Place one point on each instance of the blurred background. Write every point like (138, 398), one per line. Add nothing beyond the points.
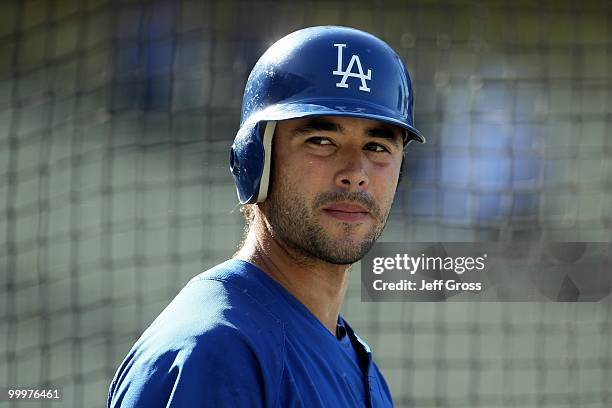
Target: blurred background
(115, 122)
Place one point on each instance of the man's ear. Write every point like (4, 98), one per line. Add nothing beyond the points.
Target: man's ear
(402, 168)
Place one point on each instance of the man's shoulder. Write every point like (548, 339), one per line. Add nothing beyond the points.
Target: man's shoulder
(237, 288)
(225, 300)
(215, 330)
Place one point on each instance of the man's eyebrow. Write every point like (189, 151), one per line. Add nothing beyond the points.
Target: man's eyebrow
(318, 125)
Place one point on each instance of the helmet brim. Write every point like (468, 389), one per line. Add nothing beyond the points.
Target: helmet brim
(303, 109)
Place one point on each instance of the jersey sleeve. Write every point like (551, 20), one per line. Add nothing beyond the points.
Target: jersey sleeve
(218, 368)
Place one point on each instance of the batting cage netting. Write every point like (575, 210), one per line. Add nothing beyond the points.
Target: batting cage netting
(116, 119)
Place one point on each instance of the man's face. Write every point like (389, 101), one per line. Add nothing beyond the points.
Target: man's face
(333, 182)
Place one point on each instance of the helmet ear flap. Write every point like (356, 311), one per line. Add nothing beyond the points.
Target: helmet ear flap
(246, 162)
(250, 157)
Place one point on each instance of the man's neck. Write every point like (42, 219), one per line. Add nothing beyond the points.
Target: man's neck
(318, 285)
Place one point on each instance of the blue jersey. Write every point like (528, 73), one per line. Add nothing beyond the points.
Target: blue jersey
(234, 337)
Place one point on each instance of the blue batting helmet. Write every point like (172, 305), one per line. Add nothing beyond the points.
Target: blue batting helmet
(329, 70)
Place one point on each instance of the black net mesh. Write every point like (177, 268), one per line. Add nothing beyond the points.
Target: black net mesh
(115, 123)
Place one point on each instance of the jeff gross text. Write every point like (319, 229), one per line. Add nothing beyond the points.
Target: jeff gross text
(422, 264)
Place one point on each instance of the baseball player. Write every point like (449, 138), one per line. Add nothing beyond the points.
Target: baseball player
(326, 116)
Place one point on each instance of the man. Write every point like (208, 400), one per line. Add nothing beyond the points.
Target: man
(327, 112)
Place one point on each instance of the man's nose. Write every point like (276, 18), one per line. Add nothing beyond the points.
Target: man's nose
(353, 174)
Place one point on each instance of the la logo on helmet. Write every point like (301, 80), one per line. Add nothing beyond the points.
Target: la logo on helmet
(349, 71)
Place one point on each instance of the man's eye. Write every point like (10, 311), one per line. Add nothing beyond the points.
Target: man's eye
(319, 140)
(375, 147)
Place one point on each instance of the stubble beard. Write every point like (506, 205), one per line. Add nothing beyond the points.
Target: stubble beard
(296, 226)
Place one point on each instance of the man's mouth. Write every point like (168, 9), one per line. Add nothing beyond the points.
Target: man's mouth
(347, 212)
